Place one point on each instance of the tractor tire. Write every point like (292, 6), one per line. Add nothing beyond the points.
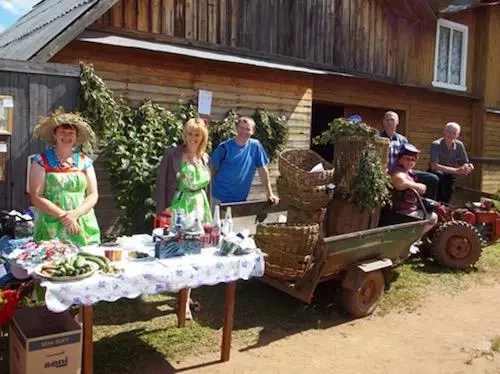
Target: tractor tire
(456, 245)
(363, 301)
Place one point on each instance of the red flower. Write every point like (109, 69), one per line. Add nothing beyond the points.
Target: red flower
(8, 303)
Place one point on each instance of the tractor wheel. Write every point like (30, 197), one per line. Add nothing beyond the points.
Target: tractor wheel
(363, 301)
(456, 245)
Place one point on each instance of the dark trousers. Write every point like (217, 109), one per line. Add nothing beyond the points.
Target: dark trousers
(430, 180)
(446, 186)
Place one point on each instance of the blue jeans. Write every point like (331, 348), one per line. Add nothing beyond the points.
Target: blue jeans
(430, 180)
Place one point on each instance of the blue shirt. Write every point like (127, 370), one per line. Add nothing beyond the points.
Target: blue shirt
(397, 141)
(236, 166)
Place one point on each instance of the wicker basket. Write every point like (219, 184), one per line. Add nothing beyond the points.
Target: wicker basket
(286, 265)
(298, 239)
(347, 151)
(295, 165)
(295, 215)
(304, 199)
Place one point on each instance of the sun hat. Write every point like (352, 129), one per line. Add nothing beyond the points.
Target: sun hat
(45, 128)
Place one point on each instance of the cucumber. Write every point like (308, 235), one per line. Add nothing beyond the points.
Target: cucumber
(98, 261)
(80, 262)
(90, 255)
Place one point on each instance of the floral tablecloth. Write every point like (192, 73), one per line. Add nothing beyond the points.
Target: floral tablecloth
(154, 276)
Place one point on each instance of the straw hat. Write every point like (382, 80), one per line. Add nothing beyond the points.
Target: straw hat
(45, 128)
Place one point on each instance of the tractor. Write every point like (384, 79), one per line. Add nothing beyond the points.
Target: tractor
(457, 239)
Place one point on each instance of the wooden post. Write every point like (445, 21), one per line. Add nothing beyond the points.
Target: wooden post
(228, 321)
(88, 343)
(181, 311)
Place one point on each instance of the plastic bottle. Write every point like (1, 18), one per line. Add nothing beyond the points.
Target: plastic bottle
(179, 220)
(228, 222)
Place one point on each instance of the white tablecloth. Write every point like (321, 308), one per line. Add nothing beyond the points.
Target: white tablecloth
(154, 276)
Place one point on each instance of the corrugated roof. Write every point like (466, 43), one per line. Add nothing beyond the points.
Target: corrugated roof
(41, 25)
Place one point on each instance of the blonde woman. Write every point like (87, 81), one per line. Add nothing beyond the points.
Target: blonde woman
(184, 174)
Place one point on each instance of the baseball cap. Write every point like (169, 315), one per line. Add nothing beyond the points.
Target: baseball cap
(408, 148)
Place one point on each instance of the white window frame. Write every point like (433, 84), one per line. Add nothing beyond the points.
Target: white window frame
(465, 42)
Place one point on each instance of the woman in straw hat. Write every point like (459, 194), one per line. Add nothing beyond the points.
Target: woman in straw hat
(63, 185)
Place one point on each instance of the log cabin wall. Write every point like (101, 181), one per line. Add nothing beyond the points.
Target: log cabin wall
(166, 79)
(363, 36)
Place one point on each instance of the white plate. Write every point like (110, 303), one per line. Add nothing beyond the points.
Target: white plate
(94, 267)
(141, 259)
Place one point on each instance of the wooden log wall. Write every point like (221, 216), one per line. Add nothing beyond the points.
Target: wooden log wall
(168, 78)
(491, 149)
(354, 35)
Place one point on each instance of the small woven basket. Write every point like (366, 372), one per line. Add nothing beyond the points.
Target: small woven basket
(299, 239)
(304, 199)
(294, 166)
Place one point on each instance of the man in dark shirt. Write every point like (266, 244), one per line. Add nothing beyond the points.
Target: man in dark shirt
(449, 159)
(391, 122)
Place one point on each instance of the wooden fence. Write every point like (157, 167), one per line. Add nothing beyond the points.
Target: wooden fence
(36, 89)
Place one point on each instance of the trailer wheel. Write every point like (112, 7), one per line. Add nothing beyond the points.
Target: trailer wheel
(456, 245)
(363, 300)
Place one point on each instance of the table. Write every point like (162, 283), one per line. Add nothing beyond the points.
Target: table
(155, 276)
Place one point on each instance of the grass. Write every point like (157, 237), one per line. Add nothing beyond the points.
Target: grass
(144, 330)
(495, 344)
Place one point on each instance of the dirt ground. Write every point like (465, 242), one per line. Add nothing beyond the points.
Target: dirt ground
(448, 334)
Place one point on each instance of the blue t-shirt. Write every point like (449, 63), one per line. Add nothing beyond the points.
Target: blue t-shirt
(236, 166)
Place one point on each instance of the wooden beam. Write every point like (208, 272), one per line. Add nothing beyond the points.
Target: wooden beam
(70, 33)
(228, 321)
(39, 68)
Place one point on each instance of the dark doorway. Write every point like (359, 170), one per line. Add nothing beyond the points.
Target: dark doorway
(322, 115)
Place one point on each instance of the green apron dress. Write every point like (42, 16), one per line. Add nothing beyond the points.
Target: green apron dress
(65, 186)
(190, 192)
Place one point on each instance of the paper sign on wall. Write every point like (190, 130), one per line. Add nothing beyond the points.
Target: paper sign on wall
(3, 147)
(8, 103)
(204, 102)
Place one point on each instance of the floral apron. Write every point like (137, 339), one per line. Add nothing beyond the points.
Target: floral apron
(66, 187)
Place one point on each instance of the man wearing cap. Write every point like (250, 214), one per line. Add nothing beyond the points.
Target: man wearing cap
(449, 159)
(391, 122)
(404, 180)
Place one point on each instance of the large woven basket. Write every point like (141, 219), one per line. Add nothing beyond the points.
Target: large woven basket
(310, 199)
(294, 166)
(287, 266)
(298, 239)
(295, 215)
(347, 152)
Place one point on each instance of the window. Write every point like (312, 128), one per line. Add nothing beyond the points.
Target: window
(450, 67)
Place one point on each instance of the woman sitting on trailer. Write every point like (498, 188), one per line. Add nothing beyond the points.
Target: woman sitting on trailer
(404, 181)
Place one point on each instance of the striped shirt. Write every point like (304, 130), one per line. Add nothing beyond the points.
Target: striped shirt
(397, 141)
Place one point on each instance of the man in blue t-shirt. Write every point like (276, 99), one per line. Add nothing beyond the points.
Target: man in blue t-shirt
(234, 162)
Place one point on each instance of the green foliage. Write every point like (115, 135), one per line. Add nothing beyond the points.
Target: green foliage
(223, 130)
(341, 127)
(272, 131)
(134, 141)
(370, 185)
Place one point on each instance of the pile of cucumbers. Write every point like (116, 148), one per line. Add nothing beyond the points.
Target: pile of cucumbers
(77, 264)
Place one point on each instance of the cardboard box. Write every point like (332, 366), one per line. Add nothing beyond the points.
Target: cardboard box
(42, 342)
